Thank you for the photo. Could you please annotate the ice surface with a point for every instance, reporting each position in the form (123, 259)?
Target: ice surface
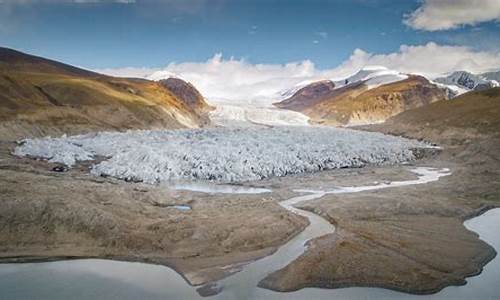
(212, 188)
(222, 154)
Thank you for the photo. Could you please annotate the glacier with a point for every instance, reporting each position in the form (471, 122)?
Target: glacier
(222, 154)
(247, 115)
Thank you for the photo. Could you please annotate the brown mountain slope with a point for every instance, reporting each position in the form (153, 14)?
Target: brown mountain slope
(470, 116)
(186, 92)
(308, 95)
(357, 104)
(42, 97)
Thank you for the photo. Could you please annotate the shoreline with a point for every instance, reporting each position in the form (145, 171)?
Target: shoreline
(492, 255)
(287, 204)
(284, 294)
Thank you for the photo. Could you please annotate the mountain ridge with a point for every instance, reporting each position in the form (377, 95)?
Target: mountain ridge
(40, 97)
(468, 81)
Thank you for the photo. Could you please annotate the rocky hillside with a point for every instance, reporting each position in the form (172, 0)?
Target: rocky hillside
(468, 81)
(308, 95)
(363, 99)
(470, 116)
(41, 97)
(187, 93)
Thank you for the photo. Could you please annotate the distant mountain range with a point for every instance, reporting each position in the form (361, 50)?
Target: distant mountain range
(41, 97)
(463, 81)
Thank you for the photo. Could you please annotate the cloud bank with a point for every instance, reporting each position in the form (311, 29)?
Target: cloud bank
(236, 80)
(448, 14)
(430, 60)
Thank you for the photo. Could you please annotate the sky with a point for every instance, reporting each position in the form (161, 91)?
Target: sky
(257, 40)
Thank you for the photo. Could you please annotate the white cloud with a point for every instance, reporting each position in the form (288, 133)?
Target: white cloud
(240, 81)
(430, 60)
(448, 14)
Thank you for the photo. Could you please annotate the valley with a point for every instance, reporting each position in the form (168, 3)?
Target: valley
(241, 200)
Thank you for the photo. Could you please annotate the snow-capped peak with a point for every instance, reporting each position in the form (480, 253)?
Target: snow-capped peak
(460, 82)
(467, 80)
(373, 76)
(287, 93)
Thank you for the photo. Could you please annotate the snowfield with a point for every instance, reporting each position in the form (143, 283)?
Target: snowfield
(221, 154)
(373, 76)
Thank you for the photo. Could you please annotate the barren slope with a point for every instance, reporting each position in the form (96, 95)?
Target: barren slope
(42, 97)
(472, 115)
(356, 103)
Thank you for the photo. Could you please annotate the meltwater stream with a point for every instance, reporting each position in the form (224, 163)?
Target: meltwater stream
(95, 278)
(243, 285)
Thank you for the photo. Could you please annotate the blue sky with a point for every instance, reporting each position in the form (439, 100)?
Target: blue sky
(155, 33)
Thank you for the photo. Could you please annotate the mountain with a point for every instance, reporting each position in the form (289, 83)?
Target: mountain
(373, 76)
(370, 96)
(187, 93)
(492, 76)
(308, 95)
(41, 97)
(467, 81)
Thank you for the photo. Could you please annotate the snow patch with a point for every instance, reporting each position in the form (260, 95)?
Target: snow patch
(222, 154)
(373, 76)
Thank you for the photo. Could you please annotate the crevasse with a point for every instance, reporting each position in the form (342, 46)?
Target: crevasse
(222, 154)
